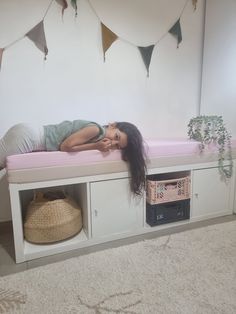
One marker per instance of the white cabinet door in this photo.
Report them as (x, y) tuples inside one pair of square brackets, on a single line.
[(114, 210), (211, 194)]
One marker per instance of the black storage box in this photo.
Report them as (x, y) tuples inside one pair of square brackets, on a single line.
[(167, 212)]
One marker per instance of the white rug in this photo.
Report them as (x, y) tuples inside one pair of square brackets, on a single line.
[(189, 272)]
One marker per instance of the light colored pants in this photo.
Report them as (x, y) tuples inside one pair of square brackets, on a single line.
[(19, 139)]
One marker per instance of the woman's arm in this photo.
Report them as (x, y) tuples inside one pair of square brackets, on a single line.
[(103, 145), (78, 141)]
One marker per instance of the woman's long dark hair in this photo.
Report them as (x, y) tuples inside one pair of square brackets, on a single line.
[(134, 154)]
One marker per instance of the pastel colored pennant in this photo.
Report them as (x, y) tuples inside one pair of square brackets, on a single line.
[(194, 4), (108, 37), (146, 53), (1, 53), (74, 5), (37, 35), (64, 5), (176, 31)]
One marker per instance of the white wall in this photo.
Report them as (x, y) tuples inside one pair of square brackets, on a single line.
[(74, 82), (219, 62)]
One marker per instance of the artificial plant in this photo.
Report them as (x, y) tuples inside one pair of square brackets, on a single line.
[(211, 129)]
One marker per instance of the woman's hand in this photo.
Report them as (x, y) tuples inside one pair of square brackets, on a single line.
[(104, 145)]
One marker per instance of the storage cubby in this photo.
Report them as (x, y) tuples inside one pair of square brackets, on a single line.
[(22, 198), (114, 210), (78, 192), (168, 197), (212, 194)]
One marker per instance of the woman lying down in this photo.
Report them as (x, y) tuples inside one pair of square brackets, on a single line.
[(76, 136)]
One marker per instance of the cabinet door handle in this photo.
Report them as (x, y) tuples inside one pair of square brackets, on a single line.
[(196, 195), (95, 213)]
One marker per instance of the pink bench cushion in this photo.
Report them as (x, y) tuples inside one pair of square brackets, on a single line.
[(43, 166), (154, 148)]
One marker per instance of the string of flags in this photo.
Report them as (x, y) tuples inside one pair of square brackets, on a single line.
[(37, 34)]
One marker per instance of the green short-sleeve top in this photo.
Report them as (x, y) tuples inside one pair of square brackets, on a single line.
[(55, 134)]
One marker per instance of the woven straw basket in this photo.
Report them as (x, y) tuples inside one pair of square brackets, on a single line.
[(50, 221)]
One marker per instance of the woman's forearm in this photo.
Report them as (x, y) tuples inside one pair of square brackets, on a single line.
[(78, 148)]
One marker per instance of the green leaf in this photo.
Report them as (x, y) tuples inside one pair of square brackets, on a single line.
[(211, 129)]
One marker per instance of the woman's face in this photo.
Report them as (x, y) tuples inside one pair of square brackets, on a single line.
[(118, 138)]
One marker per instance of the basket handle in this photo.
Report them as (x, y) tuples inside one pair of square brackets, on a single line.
[(39, 195)]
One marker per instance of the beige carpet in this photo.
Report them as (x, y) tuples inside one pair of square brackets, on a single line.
[(189, 272)]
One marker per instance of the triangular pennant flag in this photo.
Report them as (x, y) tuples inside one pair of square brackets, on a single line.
[(37, 35), (194, 4), (176, 31), (64, 5), (1, 53), (74, 5), (108, 37), (146, 53)]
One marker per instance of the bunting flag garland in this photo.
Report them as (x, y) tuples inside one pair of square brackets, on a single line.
[(194, 4), (1, 53), (37, 35), (146, 53), (108, 37), (176, 31), (74, 5), (64, 5)]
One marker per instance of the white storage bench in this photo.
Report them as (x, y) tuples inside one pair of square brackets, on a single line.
[(100, 184)]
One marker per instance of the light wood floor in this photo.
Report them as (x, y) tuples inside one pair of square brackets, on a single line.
[(7, 259)]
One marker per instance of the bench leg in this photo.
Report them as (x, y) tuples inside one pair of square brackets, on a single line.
[(17, 223)]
